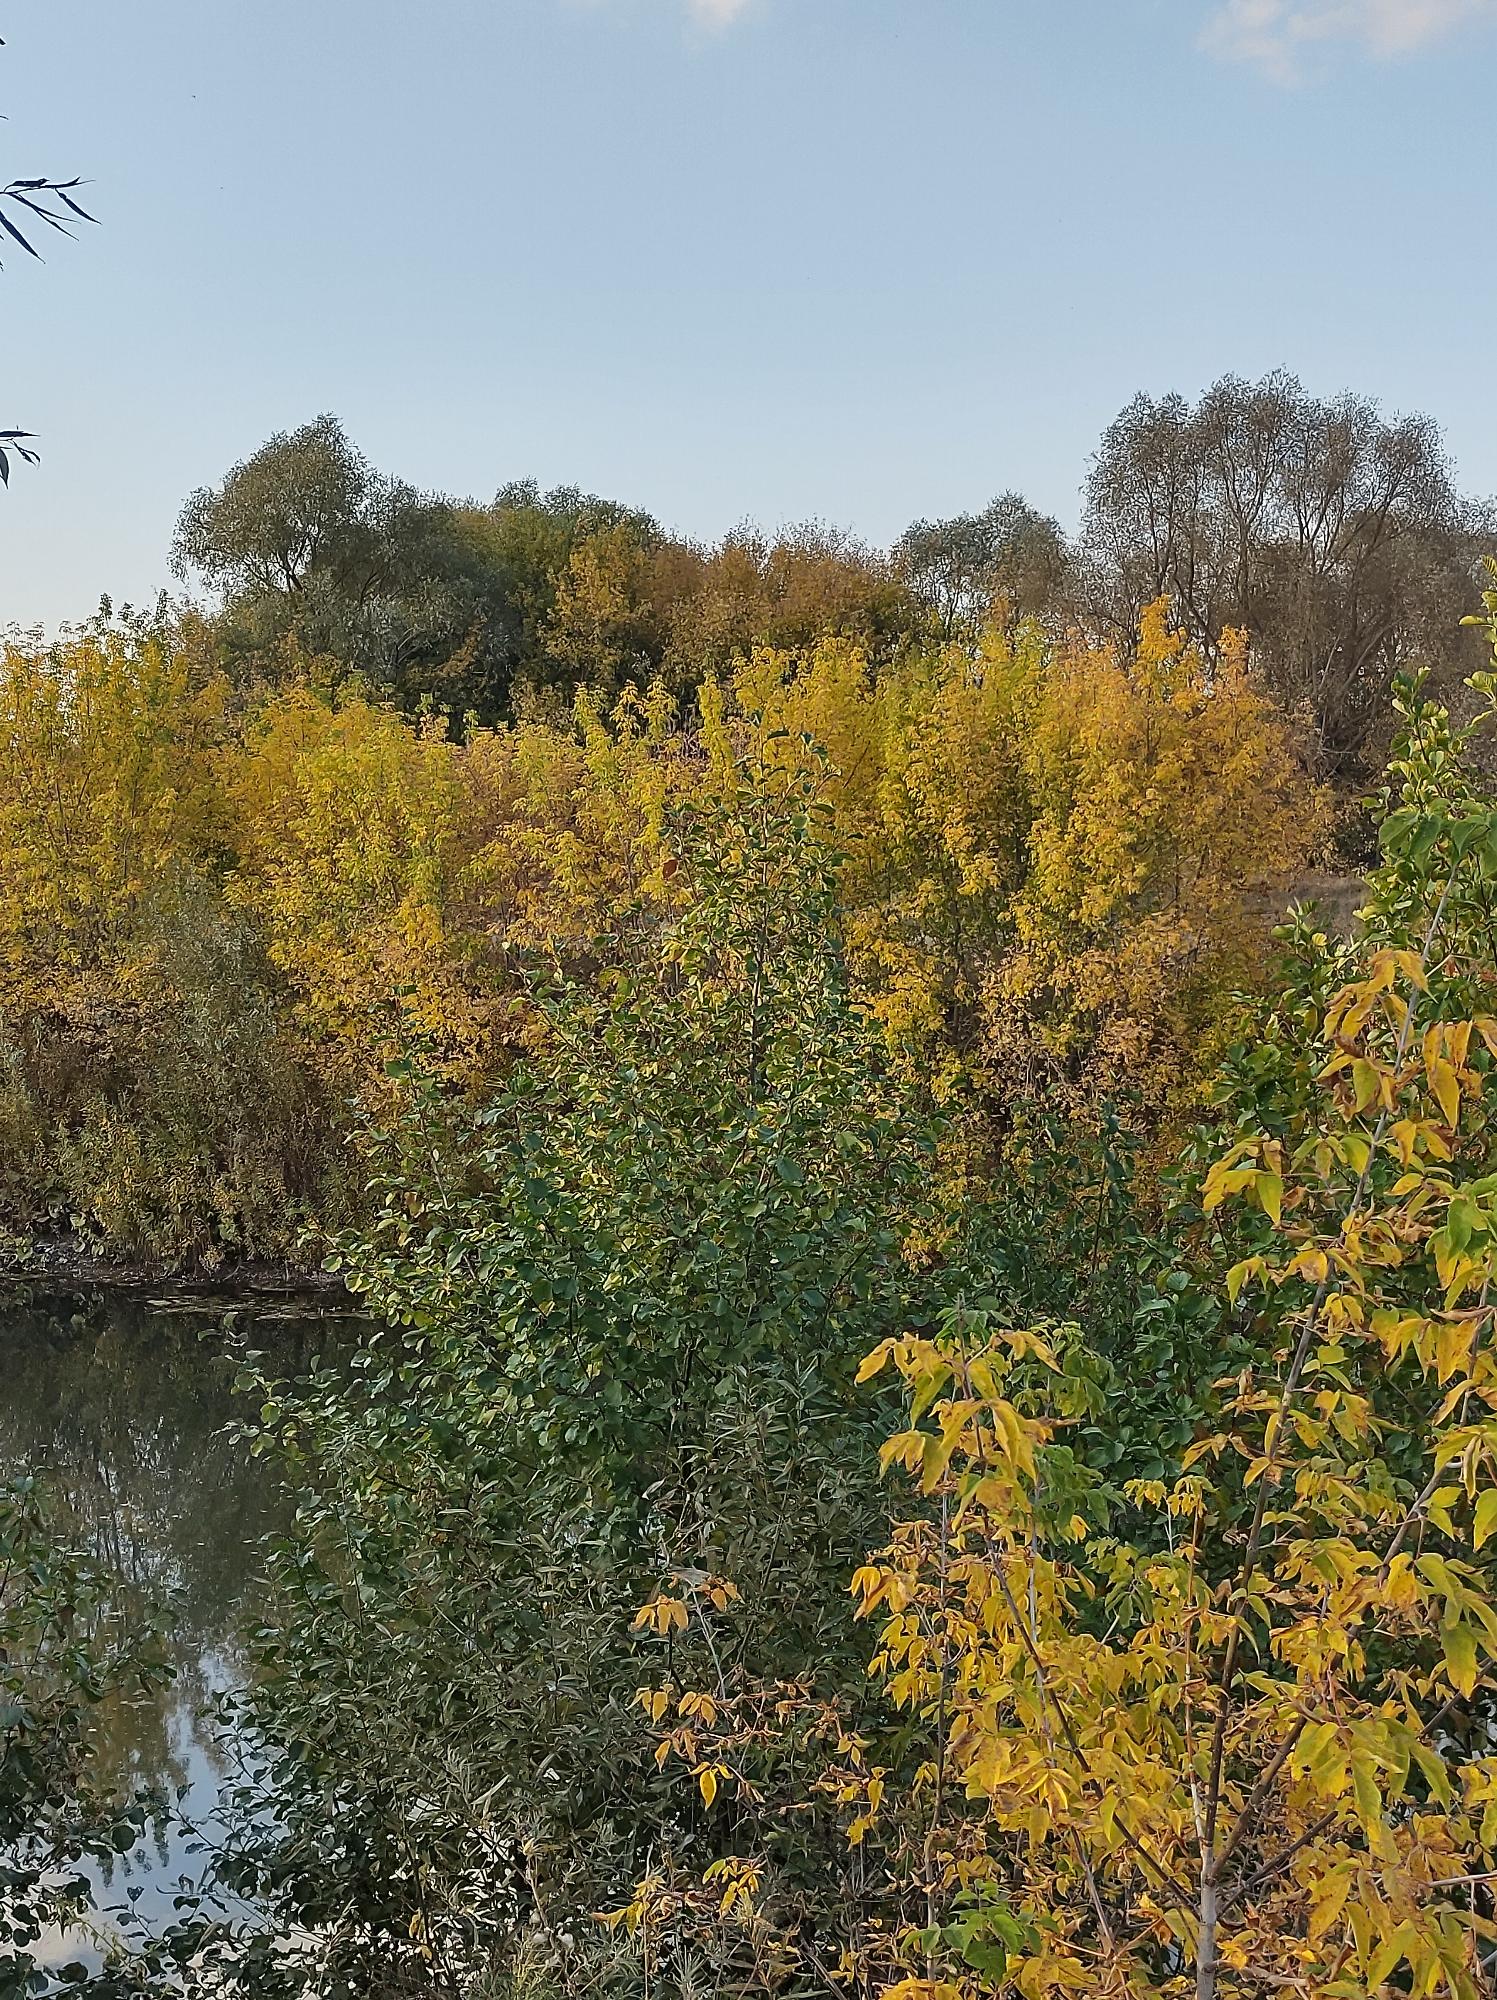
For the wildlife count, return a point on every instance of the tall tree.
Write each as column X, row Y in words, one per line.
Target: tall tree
column 300, row 505
column 1335, row 536
column 314, row 549
column 960, row 568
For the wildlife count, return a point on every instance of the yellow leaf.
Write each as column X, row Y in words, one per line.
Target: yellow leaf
column 1439, row 1506
column 1452, row 1347
column 1225, row 1178
column 1401, row 1590
column 1239, row 1274
column 927, row 1386
column 1408, row 964
column 1388, row 1954
column 1459, row 1642
column 1366, row 1792
column 1446, row 1087
column 1312, row 1265
column 935, row 1458
column 1366, row 1082
column 1330, row 1900
column 1486, row 1516
column 872, row 1363
column 1405, row 1135
column 868, row 1585
column 1356, row 1149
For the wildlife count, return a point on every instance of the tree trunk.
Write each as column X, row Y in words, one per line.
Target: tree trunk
column 1206, row 1938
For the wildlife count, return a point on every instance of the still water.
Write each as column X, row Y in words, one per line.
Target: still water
column 124, row 1404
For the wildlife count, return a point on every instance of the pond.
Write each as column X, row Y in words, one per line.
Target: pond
column 125, row 1403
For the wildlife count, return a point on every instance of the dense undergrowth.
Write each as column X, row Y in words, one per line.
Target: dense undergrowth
column 222, row 910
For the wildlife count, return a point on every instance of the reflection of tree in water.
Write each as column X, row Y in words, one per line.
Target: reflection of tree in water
column 123, row 1407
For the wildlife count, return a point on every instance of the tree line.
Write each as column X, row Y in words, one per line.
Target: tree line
column 1332, row 536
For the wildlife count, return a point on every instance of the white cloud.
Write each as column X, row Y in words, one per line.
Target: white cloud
column 1275, row 34
column 717, row 13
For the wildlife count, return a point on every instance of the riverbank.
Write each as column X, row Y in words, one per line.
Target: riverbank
column 65, row 1264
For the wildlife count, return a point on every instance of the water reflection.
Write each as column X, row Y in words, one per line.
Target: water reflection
column 125, row 1406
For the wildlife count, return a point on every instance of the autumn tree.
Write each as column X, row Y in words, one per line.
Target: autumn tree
column 348, row 830
column 318, row 557
column 298, row 506
column 618, row 1300
column 788, row 591
column 1054, row 851
column 151, row 1100
column 1268, row 1771
column 963, row 567
column 1332, row 535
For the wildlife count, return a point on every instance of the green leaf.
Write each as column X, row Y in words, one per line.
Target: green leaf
column 1365, row 1788
column 986, row 1956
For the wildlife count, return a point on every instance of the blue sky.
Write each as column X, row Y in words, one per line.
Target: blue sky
column 859, row 260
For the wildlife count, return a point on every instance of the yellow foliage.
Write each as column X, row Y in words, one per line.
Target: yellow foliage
column 1059, row 860
column 1051, row 855
column 350, row 838
column 571, row 834
column 106, row 781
